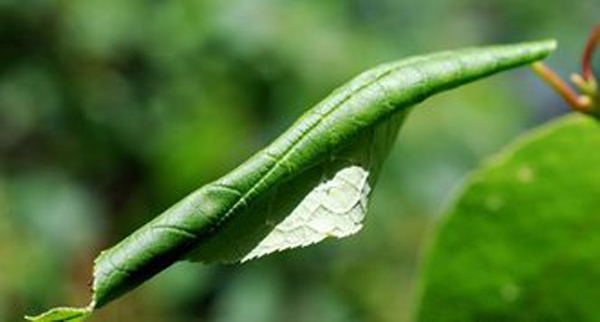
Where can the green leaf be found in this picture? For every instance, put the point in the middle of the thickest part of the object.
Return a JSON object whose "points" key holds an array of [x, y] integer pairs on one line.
{"points": [[60, 314], [522, 241], [311, 183]]}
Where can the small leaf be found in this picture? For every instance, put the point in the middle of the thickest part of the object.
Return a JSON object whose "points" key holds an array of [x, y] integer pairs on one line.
{"points": [[311, 183], [60, 314], [521, 243]]}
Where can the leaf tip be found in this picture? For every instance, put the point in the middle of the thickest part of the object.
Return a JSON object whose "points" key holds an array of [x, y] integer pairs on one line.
{"points": [[543, 47], [550, 44]]}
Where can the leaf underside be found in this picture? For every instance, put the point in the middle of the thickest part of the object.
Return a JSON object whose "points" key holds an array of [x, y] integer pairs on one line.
{"points": [[312, 182], [522, 242]]}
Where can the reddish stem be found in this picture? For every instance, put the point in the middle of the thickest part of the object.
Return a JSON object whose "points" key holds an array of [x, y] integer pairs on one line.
{"points": [[560, 86], [588, 52]]}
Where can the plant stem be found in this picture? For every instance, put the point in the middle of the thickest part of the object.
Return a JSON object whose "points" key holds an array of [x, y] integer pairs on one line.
{"points": [[565, 91], [588, 52]]}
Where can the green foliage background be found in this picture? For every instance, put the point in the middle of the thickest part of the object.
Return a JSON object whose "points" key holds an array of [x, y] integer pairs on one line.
{"points": [[112, 110]]}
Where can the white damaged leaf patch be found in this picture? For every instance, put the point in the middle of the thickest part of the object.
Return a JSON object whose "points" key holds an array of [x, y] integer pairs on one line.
{"points": [[335, 208]]}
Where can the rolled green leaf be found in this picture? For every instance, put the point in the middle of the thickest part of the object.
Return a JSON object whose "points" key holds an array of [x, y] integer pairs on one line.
{"points": [[311, 183]]}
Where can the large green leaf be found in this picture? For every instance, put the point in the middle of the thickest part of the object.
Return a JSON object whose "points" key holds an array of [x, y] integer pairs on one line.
{"points": [[522, 241], [311, 183]]}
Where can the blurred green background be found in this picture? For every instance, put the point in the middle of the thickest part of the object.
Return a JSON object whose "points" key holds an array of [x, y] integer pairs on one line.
{"points": [[112, 110]]}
